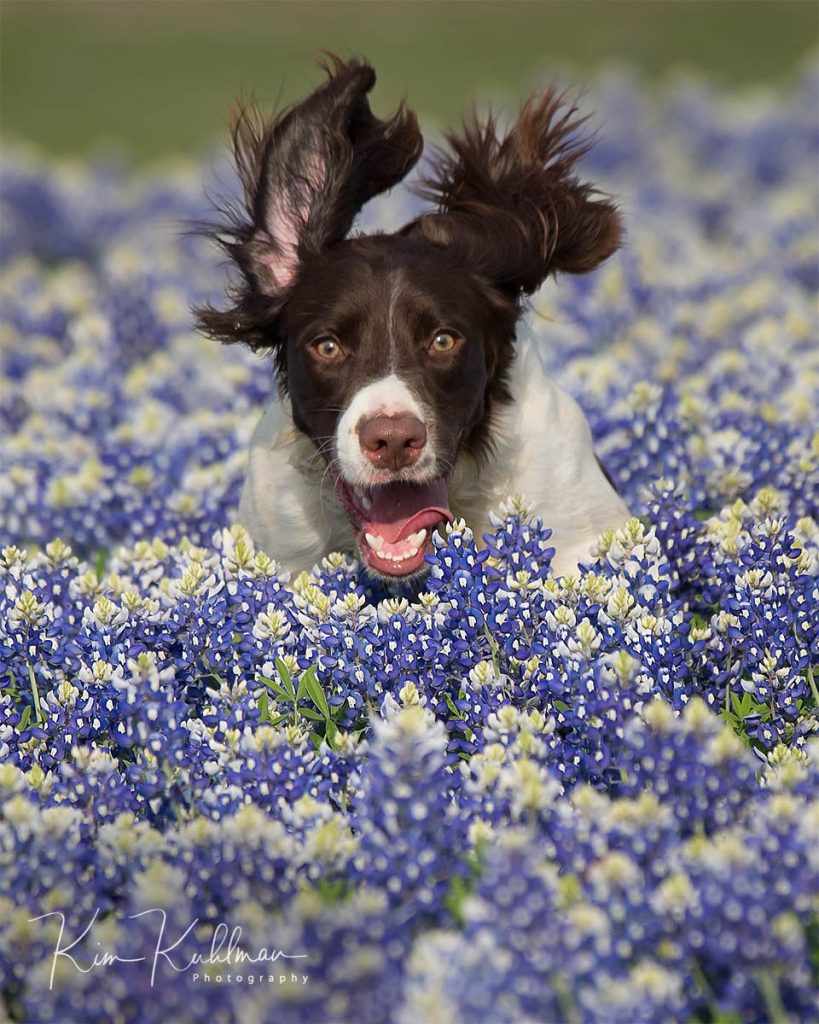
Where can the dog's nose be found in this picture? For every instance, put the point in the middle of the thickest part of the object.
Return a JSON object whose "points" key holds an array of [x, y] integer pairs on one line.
{"points": [[392, 442]]}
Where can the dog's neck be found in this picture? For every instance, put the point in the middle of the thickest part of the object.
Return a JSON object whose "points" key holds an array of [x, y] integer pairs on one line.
{"points": [[541, 449]]}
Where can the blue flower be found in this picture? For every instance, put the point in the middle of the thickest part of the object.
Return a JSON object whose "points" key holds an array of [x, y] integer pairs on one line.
{"points": [[510, 795]]}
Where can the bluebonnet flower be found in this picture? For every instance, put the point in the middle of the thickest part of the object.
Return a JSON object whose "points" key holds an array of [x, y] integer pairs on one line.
{"points": [[412, 838], [588, 798]]}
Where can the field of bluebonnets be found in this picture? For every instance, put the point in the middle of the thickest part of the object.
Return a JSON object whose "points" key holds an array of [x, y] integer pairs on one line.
{"points": [[510, 798]]}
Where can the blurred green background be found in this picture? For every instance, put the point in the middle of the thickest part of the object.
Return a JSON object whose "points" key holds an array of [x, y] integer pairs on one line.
{"points": [[157, 77]]}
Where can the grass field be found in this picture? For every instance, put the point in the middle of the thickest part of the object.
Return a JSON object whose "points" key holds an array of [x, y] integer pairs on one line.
{"points": [[158, 77]]}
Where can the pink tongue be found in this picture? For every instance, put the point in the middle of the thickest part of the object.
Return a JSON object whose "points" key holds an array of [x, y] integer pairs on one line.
{"points": [[400, 509]]}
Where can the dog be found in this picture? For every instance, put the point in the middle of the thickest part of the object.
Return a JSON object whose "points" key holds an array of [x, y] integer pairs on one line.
{"points": [[403, 402]]}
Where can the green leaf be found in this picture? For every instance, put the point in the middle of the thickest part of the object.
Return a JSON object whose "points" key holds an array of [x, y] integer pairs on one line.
{"points": [[277, 688], [332, 892], [317, 739], [264, 706], [35, 693], [315, 691], [494, 647], [742, 704], [100, 562], [24, 718], [331, 734], [455, 897], [314, 716], [450, 703], [12, 687], [747, 705], [284, 675], [301, 692], [561, 706], [571, 891]]}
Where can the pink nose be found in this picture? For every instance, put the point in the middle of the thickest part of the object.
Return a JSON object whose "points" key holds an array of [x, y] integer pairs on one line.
{"points": [[392, 442]]}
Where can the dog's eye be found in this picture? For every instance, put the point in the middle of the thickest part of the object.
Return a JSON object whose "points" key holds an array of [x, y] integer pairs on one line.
{"points": [[328, 349], [444, 341]]}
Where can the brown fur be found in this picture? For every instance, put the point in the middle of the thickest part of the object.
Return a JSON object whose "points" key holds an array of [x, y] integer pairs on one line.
{"points": [[509, 211], [362, 155], [512, 203]]}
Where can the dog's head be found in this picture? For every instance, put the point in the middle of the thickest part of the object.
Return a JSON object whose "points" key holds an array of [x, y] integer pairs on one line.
{"points": [[394, 349]]}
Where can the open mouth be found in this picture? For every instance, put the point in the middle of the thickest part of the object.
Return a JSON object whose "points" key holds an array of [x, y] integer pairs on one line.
{"points": [[394, 522]]}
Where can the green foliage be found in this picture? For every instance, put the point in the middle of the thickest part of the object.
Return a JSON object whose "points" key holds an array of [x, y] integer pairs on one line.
{"points": [[307, 700], [94, 56], [459, 716], [738, 708], [335, 891], [101, 561], [460, 887]]}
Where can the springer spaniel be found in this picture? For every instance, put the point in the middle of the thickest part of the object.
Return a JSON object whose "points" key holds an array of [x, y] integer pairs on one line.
{"points": [[403, 402]]}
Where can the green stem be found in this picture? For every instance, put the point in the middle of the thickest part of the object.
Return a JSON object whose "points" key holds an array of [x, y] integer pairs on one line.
{"points": [[38, 711], [564, 999], [494, 647], [705, 989], [728, 687], [769, 987]]}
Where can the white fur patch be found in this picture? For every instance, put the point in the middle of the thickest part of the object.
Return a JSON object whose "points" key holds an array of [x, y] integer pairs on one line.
{"points": [[288, 502], [542, 450], [388, 396]]}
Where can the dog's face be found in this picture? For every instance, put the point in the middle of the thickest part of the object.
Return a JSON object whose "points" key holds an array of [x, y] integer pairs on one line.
{"points": [[392, 352], [394, 349]]}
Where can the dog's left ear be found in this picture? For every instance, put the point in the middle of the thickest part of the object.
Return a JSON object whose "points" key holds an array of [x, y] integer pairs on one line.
{"points": [[511, 206], [305, 175]]}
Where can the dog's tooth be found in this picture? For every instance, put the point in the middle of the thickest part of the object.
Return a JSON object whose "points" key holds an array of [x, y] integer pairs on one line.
{"points": [[410, 551], [366, 502], [416, 538]]}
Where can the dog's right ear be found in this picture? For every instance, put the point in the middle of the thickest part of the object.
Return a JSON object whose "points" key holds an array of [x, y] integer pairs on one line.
{"points": [[305, 175]]}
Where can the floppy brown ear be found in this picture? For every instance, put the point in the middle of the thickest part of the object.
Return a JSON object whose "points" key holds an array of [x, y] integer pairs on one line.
{"points": [[305, 174], [511, 203]]}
